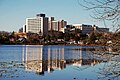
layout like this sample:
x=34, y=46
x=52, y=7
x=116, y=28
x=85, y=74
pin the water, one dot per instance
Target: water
x=38, y=62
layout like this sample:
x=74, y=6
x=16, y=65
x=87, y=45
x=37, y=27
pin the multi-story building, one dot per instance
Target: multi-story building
x=38, y=24
x=96, y=28
x=62, y=24
x=24, y=28
x=50, y=27
x=57, y=25
x=84, y=28
x=41, y=25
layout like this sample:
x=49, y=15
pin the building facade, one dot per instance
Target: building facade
x=38, y=24
x=84, y=28
x=57, y=25
x=50, y=27
x=62, y=24
x=24, y=28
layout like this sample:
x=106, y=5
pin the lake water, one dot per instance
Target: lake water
x=53, y=62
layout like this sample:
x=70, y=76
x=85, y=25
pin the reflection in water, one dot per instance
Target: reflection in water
x=56, y=59
x=110, y=68
x=42, y=58
x=102, y=63
x=32, y=57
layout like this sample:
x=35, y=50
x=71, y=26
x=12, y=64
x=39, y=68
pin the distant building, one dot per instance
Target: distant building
x=84, y=28
x=68, y=28
x=38, y=24
x=21, y=35
x=40, y=15
x=96, y=28
x=62, y=24
x=50, y=27
x=57, y=25
x=62, y=30
x=24, y=28
x=42, y=24
x=102, y=29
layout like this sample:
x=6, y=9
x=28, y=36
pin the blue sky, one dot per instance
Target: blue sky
x=14, y=12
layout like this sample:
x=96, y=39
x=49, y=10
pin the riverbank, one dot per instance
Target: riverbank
x=62, y=43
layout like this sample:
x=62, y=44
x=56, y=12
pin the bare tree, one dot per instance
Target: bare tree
x=104, y=10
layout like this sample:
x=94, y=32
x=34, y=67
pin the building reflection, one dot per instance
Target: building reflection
x=45, y=58
x=41, y=58
x=56, y=59
x=32, y=58
x=82, y=57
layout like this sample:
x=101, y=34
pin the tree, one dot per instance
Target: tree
x=92, y=38
x=33, y=38
x=104, y=10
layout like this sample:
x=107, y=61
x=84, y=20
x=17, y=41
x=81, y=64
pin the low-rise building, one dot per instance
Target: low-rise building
x=84, y=28
x=21, y=35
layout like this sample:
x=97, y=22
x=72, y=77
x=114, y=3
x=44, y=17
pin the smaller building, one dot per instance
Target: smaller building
x=24, y=28
x=21, y=35
x=84, y=28
x=103, y=29
x=62, y=30
x=50, y=27
x=96, y=28
x=56, y=25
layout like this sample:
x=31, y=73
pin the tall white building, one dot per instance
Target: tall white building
x=38, y=24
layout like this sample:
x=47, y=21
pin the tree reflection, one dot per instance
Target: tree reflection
x=111, y=63
x=107, y=57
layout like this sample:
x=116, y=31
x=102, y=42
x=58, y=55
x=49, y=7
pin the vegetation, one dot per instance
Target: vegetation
x=104, y=10
x=54, y=37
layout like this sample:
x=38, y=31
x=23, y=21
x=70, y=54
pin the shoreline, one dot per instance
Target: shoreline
x=66, y=44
